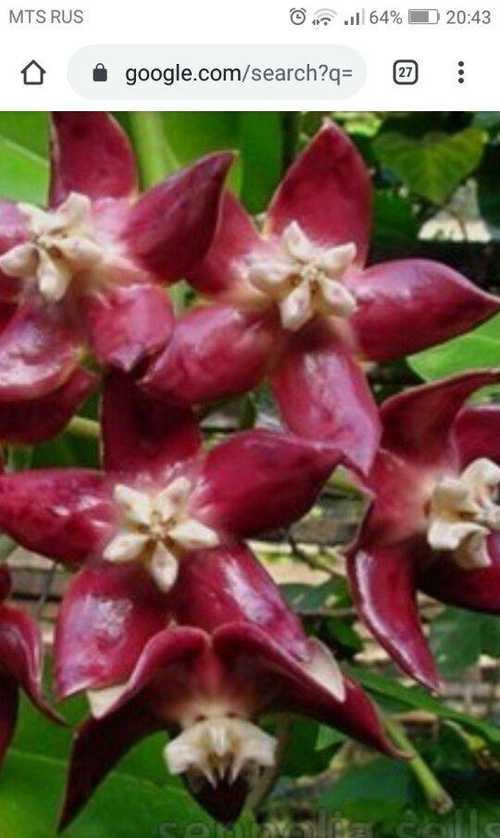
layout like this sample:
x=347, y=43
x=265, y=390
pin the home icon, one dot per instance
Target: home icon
x=33, y=73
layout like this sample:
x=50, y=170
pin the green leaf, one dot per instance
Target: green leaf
x=488, y=120
x=24, y=171
x=434, y=165
x=456, y=641
x=261, y=147
x=479, y=349
x=490, y=635
x=373, y=793
x=65, y=451
x=190, y=135
x=343, y=635
x=383, y=795
x=307, y=754
x=458, y=638
x=476, y=813
x=488, y=183
x=309, y=599
x=256, y=137
x=415, y=697
x=395, y=222
x=124, y=806
x=36, y=735
x=135, y=800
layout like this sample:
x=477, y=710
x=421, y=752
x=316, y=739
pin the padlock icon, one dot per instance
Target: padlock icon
x=100, y=73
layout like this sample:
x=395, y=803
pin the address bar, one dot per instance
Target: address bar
x=217, y=72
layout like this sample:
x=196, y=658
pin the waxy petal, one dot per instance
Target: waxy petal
x=9, y=702
x=417, y=423
x=215, y=352
x=172, y=226
x=170, y=648
x=328, y=192
x=38, y=353
x=142, y=435
x=259, y=480
x=107, y=616
x=297, y=690
x=409, y=305
x=7, y=310
x=90, y=155
x=68, y=515
x=383, y=583
x=400, y=497
x=13, y=232
x=127, y=323
x=228, y=585
x=98, y=746
x=5, y=583
x=21, y=649
x=476, y=434
x=477, y=589
x=34, y=420
x=323, y=395
x=222, y=273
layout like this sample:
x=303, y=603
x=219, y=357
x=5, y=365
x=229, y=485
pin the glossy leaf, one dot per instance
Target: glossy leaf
x=152, y=797
x=479, y=349
x=24, y=171
x=256, y=136
x=386, y=688
x=34, y=814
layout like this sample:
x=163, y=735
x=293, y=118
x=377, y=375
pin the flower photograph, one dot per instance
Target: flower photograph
x=249, y=474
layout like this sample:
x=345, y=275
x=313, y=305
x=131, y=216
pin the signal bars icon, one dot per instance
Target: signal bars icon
x=358, y=19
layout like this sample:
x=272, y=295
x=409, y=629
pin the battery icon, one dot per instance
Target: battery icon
x=423, y=16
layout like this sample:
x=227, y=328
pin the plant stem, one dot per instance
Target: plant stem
x=438, y=798
x=86, y=428
x=156, y=161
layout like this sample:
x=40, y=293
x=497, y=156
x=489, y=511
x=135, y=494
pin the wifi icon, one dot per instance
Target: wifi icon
x=323, y=17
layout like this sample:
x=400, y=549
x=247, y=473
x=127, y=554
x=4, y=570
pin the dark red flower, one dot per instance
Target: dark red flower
x=435, y=520
x=296, y=303
x=160, y=496
x=85, y=275
x=232, y=652
x=21, y=651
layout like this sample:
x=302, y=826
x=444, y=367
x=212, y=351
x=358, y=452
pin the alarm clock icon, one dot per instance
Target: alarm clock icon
x=298, y=16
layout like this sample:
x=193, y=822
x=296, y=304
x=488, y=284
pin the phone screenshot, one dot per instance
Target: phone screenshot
x=249, y=420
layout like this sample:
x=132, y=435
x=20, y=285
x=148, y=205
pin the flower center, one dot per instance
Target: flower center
x=158, y=530
x=305, y=279
x=463, y=512
x=221, y=749
x=60, y=245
